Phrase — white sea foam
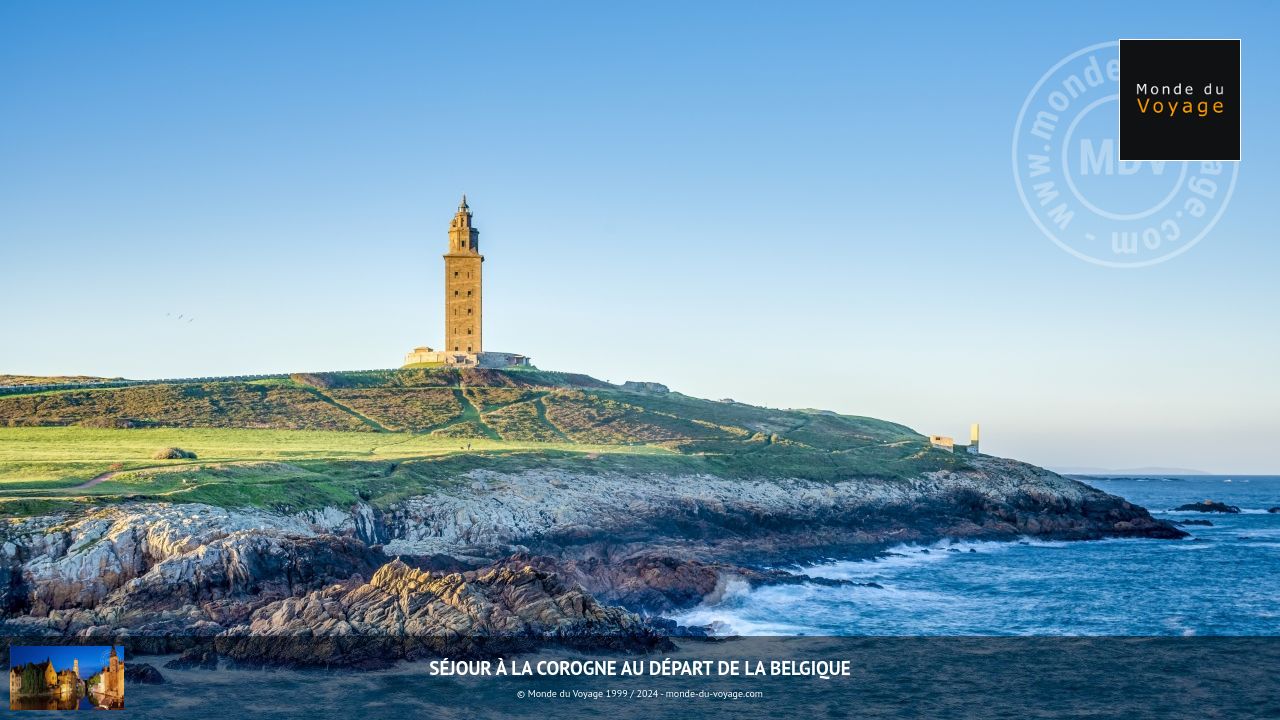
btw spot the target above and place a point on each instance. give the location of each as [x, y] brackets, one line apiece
[911, 555]
[1243, 511]
[727, 623]
[1026, 587]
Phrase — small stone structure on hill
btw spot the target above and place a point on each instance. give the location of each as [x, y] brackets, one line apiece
[646, 386]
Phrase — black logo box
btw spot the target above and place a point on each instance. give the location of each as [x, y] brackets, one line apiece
[1187, 68]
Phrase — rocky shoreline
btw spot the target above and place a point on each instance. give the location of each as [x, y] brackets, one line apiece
[498, 563]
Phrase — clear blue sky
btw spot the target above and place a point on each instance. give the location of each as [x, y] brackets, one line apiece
[797, 204]
[92, 657]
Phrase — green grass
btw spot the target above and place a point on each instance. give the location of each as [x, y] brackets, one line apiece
[48, 463]
[99, 449]
[291, 470]
[220, 404]
[379, 436]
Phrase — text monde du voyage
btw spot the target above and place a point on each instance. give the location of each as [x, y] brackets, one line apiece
[1179, 100]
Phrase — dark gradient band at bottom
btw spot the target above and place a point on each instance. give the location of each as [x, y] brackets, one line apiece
[955, 677]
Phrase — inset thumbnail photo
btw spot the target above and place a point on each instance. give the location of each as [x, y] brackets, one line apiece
[66, 677]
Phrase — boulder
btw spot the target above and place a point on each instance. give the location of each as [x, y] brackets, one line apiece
[200, 657]
[142, 673]
[1208, 506]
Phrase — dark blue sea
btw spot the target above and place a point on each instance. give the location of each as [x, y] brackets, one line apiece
[1223, 580]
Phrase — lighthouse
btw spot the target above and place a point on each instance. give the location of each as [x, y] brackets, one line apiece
[463, 305]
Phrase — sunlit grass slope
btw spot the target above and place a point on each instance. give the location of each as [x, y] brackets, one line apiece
[318, 439]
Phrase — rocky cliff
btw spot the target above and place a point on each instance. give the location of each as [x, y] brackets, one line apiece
[403, 612]
[532, 555]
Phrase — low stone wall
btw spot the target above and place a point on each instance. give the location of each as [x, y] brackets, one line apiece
[495, 360]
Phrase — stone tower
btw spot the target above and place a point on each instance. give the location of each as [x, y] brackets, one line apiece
[463, 303]
[463, 318]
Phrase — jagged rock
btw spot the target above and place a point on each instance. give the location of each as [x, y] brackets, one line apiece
[650, 582]
[161, 569]
[142, 673]
[768, 521]
[202, 657]
[1274, 509]
[1183, 523]
[1208, 506]
[403, 612]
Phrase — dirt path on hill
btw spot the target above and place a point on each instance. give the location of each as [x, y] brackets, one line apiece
[107, 476]
[324, 397]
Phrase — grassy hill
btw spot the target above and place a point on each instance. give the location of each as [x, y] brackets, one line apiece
[316, 439]
[6, 380]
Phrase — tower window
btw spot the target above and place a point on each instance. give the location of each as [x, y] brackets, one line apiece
[455, 273]
[468, 311]
[468, 293]
[468, 331]
[455, 293]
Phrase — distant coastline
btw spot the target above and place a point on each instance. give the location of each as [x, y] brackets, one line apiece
[1126, 472]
